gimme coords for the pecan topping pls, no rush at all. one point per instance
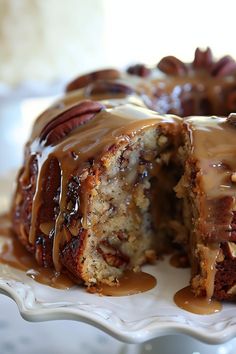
(65, 122)
(139, 70)
(84, 80)
(108, 87)
(203, 59)
(223, 67)
(172, 66)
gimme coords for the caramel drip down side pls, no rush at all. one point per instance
(212, 140)
(75, 151)
(14, 254)
(213, 145)
(211, 258)
(37, 200)
(59, 234)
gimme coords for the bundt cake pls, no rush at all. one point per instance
(108, 183)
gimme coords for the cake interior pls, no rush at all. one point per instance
(133, 213)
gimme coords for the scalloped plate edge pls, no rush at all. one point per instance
(148, 332)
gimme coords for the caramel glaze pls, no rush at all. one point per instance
(112, 126)
(129, 284)
(186, 300)
(213, 148)
(213, 153)
(194, 93)
(14, 254)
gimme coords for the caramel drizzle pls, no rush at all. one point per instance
(37, 199)
(213, 252)
(14, 254)
(213, 147)
(213, 142)
(60, 235)
(92, 140)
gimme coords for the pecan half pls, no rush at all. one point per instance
(70, 119)
(223, 67)
(203, 59)
(172, 66)
(108, 87)
(139, 70)
(84, 80)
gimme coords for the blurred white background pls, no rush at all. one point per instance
(138, 30)
(46, 40)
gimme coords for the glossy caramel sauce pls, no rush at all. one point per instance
(179, 260)
(210, 264)
(186, 300)
(166, 93)
(14, 254)
(129, 284)
(213, 149)
(213, 145)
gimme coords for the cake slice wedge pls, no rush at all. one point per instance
(95, 195)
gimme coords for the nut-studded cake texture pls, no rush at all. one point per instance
(84, 193)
